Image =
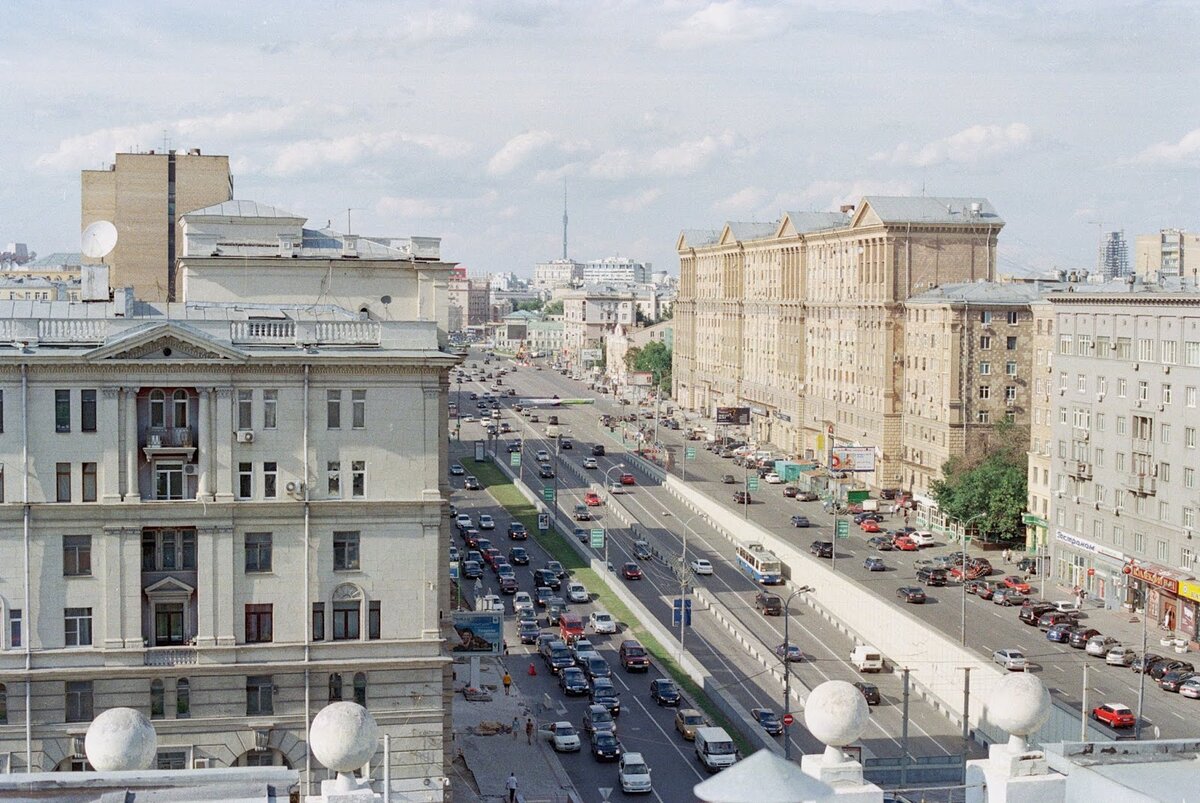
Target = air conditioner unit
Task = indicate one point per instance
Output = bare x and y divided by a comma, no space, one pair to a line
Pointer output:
294,487
201,763
1099,397
1084,435
245,436
1162,407
191,469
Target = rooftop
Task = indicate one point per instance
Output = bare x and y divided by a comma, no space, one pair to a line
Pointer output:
927,209
992,293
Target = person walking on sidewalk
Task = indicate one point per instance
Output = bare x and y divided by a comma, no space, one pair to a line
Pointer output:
511,786
516,727
507,682
529,730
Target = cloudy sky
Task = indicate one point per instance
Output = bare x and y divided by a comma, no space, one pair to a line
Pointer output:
464,120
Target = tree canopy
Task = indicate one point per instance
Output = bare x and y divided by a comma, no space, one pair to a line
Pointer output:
654,357
553,308
532,305
989,485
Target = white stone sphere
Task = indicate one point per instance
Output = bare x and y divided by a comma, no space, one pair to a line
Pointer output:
121,739
1019,704
836,713
343,736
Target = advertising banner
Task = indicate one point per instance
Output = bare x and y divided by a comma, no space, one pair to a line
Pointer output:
591,355
479,632
641,379
734,416
852,458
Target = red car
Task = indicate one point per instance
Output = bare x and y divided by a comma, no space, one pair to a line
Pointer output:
592,499
905,544
627,479
1114,715
631,571
870,526
1016,583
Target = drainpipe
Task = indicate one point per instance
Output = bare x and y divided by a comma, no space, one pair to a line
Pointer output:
307,600
27,623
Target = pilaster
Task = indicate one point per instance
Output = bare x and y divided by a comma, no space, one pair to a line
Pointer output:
132,491
214,584
110,466
222,450
204,430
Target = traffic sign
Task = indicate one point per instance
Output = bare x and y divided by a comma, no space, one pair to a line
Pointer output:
842,528
682,608
788,719
597,541
689,453
514,459
548,493
752,483
543,521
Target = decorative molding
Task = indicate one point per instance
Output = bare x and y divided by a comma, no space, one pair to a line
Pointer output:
179,349
347,591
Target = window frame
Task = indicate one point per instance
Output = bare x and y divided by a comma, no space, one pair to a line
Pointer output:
259,623
78,701
347,550
87,410
358,409
88,479
259,552
62,410
62,482
77,555
270,408
244,408
260,695
78,627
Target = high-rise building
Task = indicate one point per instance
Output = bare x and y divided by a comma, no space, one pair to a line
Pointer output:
1169,252
145,195
1113,260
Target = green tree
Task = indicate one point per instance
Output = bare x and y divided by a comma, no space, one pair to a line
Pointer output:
654,357
989,485
533,305
553,308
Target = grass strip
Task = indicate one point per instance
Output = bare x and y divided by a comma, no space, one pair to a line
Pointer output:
511,499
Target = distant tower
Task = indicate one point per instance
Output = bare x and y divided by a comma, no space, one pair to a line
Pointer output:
564,256
1114,255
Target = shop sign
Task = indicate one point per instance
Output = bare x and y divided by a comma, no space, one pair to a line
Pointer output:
1087,546
758,410
783,417
1189,589
1148,575
1034,520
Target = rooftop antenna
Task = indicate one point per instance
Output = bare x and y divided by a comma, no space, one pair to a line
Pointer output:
564,220
98,240
350,209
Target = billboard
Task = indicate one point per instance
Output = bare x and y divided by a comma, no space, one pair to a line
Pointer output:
591,355
738,416
852,458
478,632
641,379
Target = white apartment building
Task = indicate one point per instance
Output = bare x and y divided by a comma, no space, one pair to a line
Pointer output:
590,314
556,273
1125,400
1168,252
615,270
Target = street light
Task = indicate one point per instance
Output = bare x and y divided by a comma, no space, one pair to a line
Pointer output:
682,573
787,667
963,577
608,565
1141,699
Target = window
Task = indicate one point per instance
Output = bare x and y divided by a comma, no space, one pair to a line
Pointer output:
333,409
259,695
1164,432
1010,368
78,703
1166,394
358,409
1191,353
270,409
1081,383
14,627
1,411
179,408
1143,428
347,616
1083,345
333,470
183,698
1145,347
985,316
985,342
1103,346
245,409
258,623
1161,551
171,760
983,417
358,478
1189,437
270,480
985,392
1170,352
1164,472
89,482
1189,477
3,704
360,688
258,552
373,619
1010,393
168,480
77,555
1010,343
158,409
1064,344
1189,397
87,411
345,550
1189,517
1013,318
1100,422
245,480
1121,388
335,687
1124,348
1118,536
1120,466
168,549
985,369
62,411
318,621
77,626
158,699
62,482
1062,415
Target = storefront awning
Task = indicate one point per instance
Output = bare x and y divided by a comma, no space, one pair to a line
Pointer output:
1162,577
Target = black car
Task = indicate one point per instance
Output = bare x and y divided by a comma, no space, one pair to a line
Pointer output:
605,746
931,576
742,497
598,450
605,693
545,577
869,691
769,720
472,569
508,584
517,556
572,681
555,567
565,443
861,517
913,594
769,604
1146,661
790,491
1172,680
1158,670
517,531
527,631
822,549
664,691
728,479
800,521
1030,614
545,471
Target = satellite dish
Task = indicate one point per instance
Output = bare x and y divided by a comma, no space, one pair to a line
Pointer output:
99,239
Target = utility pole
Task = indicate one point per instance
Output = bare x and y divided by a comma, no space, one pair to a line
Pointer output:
966,722
904,735
1083,707
787,666
1137,726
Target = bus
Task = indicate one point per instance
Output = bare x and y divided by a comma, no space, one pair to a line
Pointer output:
760,564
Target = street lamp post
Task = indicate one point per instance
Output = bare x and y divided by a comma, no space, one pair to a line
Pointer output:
607,565
963,577
1141,699
682,573
787,667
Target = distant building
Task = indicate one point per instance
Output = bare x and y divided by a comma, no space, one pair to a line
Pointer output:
556,273
54,277
1170,252
1113,260
615,271
14,255
590,314
623,338
145,195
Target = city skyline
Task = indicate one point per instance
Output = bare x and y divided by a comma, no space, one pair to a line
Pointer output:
657,118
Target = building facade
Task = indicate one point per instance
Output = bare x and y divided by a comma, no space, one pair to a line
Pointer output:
145,195
556,273
1041,433
1126,372
1167,253
590,314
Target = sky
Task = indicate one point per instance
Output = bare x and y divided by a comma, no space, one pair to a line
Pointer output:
467,121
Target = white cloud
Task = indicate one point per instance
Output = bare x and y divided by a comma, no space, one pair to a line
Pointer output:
967,146
414,28
683,159
1185,151
745,202
405,209
308,155
637,201
517,150
828,196
724,22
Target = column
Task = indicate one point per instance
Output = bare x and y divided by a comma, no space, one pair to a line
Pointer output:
207,587
204,444
222,451
111,569
110,465
132,491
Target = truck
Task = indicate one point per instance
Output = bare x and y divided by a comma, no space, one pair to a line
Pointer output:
870,505
866,659
714,749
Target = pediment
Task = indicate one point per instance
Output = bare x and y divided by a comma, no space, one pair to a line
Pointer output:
169,585
166,342
864,216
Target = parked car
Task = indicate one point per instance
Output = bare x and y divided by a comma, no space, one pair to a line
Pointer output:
904,543
1032,614
664,691
1099,645
800,521
768,719
1012,660
768,604
1051,618
1081,635
1016,583
921,538
1146,662
1007,597
870,692
881,542
1120,656
1060,633
1174,679
1114,715
1190,688
911,594
1158,670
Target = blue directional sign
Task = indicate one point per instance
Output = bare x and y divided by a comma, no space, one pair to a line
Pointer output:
682,608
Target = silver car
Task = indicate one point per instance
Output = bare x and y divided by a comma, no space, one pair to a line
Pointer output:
1120,656
1100,645
1012,660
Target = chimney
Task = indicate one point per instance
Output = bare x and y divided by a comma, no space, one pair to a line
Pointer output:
847,208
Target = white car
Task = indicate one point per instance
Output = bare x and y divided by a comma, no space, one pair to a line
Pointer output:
590,462
616,488
602,622
543,456
1013,660
772,478
1190,688
577,592
562,736
463,520
486,522
634,773
1120,656
701,566
921,538
1066,605
522,600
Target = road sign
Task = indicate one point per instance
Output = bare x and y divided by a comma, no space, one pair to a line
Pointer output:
682,608
842,528
788,719
543,521
752,484
689,453
548,493
453,570
597,538
514,459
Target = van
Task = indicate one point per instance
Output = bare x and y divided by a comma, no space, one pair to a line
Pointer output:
714,749
871,505
570,627
866,659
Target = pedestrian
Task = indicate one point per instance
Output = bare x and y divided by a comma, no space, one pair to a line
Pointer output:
516,727
507,682
511,786
529,730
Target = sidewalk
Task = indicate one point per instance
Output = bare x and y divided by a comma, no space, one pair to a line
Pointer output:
486,751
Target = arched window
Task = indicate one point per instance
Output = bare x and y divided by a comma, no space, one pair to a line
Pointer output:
360,688
179,408
3,704
158,408
157,698
335,687
183,698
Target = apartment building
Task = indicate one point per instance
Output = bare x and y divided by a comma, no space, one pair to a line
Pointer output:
1036,517
1168,252
1126,372
590,314
145,196
556,273
801,320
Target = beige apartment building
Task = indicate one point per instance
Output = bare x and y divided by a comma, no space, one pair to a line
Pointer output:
145,195
1041,431
590,315
1168,252
802,320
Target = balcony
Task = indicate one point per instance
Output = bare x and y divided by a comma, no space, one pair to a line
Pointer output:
169,442
1142,484
169,656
